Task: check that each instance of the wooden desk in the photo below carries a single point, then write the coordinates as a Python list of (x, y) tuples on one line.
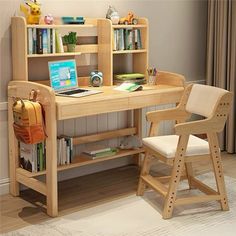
[(61, 108)]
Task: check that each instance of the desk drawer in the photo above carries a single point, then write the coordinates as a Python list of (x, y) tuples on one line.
[(154, 99), (68, 111)]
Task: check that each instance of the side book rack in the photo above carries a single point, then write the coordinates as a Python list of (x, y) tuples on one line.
[(49, 188)]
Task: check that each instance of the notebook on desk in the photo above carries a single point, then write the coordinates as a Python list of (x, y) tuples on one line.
[(63, 79)]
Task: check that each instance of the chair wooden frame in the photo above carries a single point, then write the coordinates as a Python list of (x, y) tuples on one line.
[(209, 126)]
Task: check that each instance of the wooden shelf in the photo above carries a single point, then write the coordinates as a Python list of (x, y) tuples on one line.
[(82, 161), (64, 54), (130, 51), (86, 48), (60, 26), (109, 64), (128, 26)]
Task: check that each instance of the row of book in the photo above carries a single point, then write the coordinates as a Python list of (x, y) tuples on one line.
[(64, 150), (32, 156), (127, 39), (44, 41)]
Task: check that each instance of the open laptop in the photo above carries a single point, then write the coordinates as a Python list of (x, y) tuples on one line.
[(63, 79)]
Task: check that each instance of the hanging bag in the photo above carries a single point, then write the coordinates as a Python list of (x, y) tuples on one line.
[(29, 120)]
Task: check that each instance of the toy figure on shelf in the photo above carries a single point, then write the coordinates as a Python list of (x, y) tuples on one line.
[(113, 15), (48, 19), (32, 12), (129, 19)]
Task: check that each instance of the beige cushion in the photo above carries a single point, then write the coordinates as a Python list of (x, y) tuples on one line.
[(166, 145), (203, 98)]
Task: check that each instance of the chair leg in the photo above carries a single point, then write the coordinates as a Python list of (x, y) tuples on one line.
[(189, 173), (145, 170), (175, 177), (218, 170)]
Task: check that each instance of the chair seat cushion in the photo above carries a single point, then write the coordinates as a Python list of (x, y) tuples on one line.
[(166, 145)]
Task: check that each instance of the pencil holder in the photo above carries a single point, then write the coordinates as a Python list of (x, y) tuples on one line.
[(152, 79)]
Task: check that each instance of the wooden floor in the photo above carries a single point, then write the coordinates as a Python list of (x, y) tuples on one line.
[(84, 192)]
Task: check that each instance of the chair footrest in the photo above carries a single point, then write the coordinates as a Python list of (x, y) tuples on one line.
[(155, 184), (202, 198)]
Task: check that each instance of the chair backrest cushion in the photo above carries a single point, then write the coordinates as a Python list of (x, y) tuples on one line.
[(203, 98)]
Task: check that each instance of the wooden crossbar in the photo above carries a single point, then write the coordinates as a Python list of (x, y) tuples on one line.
[(202, 187), (104, 135), (32, 183), (202, 198), (155, 184)]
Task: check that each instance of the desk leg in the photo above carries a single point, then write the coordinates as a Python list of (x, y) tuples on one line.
[(138, 125), (13, 153), (51, 162)]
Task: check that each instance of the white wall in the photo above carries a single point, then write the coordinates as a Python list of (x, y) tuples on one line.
[(177, 43)]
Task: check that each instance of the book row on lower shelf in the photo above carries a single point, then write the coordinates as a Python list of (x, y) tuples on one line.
[(127, 39), (44, 41), (33, 156)]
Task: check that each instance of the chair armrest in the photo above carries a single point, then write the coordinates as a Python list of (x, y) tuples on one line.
[(167, 114), (197, 127)]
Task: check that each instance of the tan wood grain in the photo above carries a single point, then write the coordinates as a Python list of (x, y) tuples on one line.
[(104, 135), (19, 49), (210, 126), (62, 108)]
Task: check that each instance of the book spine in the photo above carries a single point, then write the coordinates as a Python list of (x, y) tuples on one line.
[(133, 39), (40, 156), (64, 151), (33, 158), (67, 150), (34, 36), (71, 150), (139, 39), (58, 151), (49, 40), (45, 41), (61, 152), (59, 44), (129, 40), (39, 41), (38, 159), (117, 39), (136, 39), (30, 41), (44, 155), (53, 41), (101, 150)]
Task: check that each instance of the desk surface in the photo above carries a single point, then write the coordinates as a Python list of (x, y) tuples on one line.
[(112, 100), (109, 101)]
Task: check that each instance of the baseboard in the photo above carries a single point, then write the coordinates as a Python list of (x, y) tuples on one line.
[(4, 186)]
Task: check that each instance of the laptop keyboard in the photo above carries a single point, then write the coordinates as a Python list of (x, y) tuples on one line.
[(74, 91)]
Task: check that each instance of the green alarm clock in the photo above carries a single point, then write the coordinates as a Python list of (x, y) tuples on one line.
[(96, 78)]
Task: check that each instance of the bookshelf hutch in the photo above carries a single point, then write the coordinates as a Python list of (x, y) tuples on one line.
[(61, 108), (102, 46)]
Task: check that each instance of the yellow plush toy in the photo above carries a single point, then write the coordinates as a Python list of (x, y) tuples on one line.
[(32, 12)]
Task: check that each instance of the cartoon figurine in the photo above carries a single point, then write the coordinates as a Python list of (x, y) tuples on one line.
[(32, 12), (113, 15), (129, 19), (48, 19)]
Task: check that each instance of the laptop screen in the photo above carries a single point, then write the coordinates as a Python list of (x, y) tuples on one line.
[(63, 74)]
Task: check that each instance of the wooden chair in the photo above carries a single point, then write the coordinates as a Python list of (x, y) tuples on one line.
[(182, 148)]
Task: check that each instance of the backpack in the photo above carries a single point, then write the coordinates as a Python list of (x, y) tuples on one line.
[(28, 120)]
